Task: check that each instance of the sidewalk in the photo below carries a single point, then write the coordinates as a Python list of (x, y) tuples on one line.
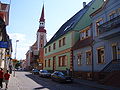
[(12, 85), (95, 84), (15, 85)]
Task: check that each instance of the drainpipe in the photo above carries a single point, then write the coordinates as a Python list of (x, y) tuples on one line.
[(91, 45)]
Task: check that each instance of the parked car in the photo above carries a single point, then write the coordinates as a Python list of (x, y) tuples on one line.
[(44, 73), (35, 71), (60, 77)]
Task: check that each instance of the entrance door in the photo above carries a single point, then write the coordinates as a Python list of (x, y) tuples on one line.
[(54, 63)]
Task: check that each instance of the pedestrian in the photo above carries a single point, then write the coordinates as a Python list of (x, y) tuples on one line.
[(68, 71), (1, 77), (6, 78)]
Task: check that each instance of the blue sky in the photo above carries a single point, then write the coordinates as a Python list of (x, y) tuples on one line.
[(24, 20)]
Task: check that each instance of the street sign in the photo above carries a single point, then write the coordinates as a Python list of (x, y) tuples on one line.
[(4, 44), (8, 55)]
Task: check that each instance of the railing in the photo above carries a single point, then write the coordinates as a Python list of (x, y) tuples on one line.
[(114, 65), (109, 25)]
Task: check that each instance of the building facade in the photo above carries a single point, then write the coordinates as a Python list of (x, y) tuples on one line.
[(106, 36), (5, 41), (35, 55), (83, 48), (58, 51)]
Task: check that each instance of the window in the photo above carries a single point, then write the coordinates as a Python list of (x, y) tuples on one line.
[(81, 35), (118, 11), (45, 63), (62, 61), (98, 23), (63, 41), (45, 50), (54, 46), (88, 57), (41, 45), (79, 59), (49, 48), (59, 43), (100, 52), (114, 51), (49, 63), (41, 37), (85, 33)]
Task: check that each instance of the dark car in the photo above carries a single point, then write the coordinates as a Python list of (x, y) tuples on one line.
[(44, 73), (60, 77), (35, 71)]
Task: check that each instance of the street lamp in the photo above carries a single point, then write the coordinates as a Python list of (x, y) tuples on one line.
[(15, 56)]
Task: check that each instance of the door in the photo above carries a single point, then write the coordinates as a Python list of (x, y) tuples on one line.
[(54, 63)]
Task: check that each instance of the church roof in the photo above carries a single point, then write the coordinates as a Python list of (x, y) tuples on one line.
[(68, 25)]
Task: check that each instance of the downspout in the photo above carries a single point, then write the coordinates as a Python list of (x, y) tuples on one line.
[(92, 57)]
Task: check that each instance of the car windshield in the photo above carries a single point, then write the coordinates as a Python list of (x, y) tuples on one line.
[(35, 70), (60, 73)]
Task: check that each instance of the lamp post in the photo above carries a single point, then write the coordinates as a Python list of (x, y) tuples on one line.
[(14, 63)]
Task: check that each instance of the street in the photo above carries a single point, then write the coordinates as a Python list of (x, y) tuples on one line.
[(27, 81)]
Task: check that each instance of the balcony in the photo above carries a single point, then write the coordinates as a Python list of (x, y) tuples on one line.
[(4, 12), (110, 28)]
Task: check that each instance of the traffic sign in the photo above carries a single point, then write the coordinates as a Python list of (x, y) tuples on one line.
[(4, 44)]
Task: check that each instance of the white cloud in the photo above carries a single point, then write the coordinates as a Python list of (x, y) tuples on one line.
[(22, 46), (17, 36)]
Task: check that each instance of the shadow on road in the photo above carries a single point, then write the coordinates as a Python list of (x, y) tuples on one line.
[(46, 83)]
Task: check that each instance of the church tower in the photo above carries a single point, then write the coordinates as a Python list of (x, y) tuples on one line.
[(41, 38)]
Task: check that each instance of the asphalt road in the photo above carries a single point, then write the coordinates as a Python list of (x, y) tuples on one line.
[(28, 81)]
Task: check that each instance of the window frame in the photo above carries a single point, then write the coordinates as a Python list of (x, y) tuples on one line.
[(64, 39), (79, 59), (54, 46), (49, 62), (89, 62), (99, 57), (98, 24), (60, 44)]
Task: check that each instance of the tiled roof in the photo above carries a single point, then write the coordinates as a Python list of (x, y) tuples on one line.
[(68, 25), (83, 43)]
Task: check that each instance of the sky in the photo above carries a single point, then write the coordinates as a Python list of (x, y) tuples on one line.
[(24, 18)]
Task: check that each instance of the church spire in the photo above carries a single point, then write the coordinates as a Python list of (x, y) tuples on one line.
[(42, 19), (42, 22), (42, 15)]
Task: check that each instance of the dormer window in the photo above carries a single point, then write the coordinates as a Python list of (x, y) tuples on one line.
[(98, 23), (85, 33)]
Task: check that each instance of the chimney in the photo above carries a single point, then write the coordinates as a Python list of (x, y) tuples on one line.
[(84, 4)]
